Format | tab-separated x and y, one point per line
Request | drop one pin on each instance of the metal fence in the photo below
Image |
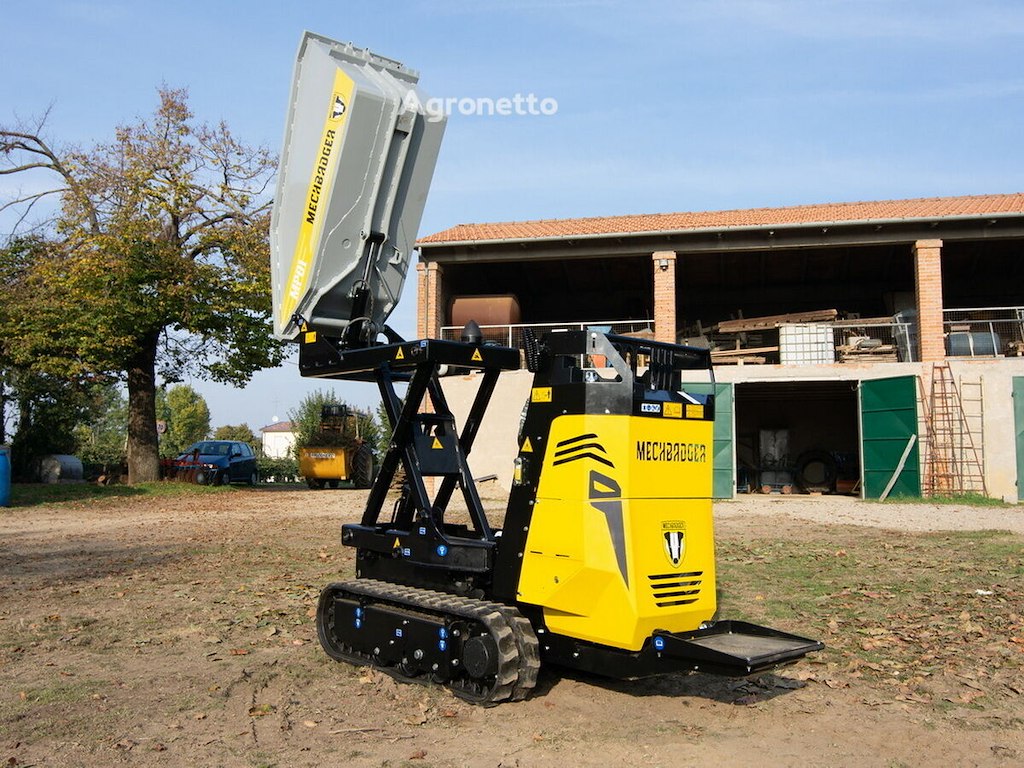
857	342
984	331
512	335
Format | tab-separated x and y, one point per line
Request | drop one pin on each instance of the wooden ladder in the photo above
953	464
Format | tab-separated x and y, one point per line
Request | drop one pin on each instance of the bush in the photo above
278	470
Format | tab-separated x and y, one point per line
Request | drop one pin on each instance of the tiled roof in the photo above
825	213
279	426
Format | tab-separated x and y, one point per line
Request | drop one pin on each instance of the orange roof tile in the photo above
825	213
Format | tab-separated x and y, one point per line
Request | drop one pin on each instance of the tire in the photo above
314	484
362	467
224	478
816	471
333	484
201	477
253	478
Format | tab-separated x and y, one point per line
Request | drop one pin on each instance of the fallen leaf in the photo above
261	710
239	652
419	754
309	723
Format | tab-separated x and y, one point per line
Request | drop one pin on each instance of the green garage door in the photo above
724	467
1018	421
889	440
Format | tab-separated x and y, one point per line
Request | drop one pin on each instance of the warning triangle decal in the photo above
399	355
477	357
397	544
436	444
527	447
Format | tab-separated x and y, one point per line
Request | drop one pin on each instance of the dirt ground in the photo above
179	632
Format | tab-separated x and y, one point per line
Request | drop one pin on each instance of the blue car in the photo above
219	462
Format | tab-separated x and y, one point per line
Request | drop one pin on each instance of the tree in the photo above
101	438
188	420
383	424
156	263
239	432
47	407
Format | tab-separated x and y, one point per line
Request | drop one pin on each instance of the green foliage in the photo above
278	470
157	262
56	412
383	441
306	423
240	432
188	419
48	410
101	438
16	258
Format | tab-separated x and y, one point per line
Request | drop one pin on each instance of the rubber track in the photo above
518	650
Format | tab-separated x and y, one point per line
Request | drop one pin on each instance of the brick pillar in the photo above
928	288
430	314
664	295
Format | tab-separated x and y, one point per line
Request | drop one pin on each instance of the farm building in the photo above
278	440
873	347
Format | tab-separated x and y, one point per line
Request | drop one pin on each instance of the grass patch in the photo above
47	494
963	499
903	609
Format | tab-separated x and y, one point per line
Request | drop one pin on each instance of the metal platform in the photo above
735	648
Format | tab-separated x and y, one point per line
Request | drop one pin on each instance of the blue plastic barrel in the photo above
5	477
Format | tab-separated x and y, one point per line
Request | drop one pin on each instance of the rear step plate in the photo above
734	648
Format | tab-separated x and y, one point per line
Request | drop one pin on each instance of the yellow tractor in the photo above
337	453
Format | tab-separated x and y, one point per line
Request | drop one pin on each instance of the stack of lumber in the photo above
746	324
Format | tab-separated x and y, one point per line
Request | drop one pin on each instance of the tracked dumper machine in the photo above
604	561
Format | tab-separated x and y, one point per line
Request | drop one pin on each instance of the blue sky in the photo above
662	106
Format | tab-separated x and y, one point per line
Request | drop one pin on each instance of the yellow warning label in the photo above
399	355
694	411
309	337
397	544
540	395
304	328
436	444
320	182
527	446
477	357
672	410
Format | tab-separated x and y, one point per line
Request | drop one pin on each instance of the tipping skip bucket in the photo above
359	151
5	476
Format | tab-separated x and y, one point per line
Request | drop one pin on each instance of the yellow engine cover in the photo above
621	540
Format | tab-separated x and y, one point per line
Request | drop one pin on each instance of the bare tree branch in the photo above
28	198
33	144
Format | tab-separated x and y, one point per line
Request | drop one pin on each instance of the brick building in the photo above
826	322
